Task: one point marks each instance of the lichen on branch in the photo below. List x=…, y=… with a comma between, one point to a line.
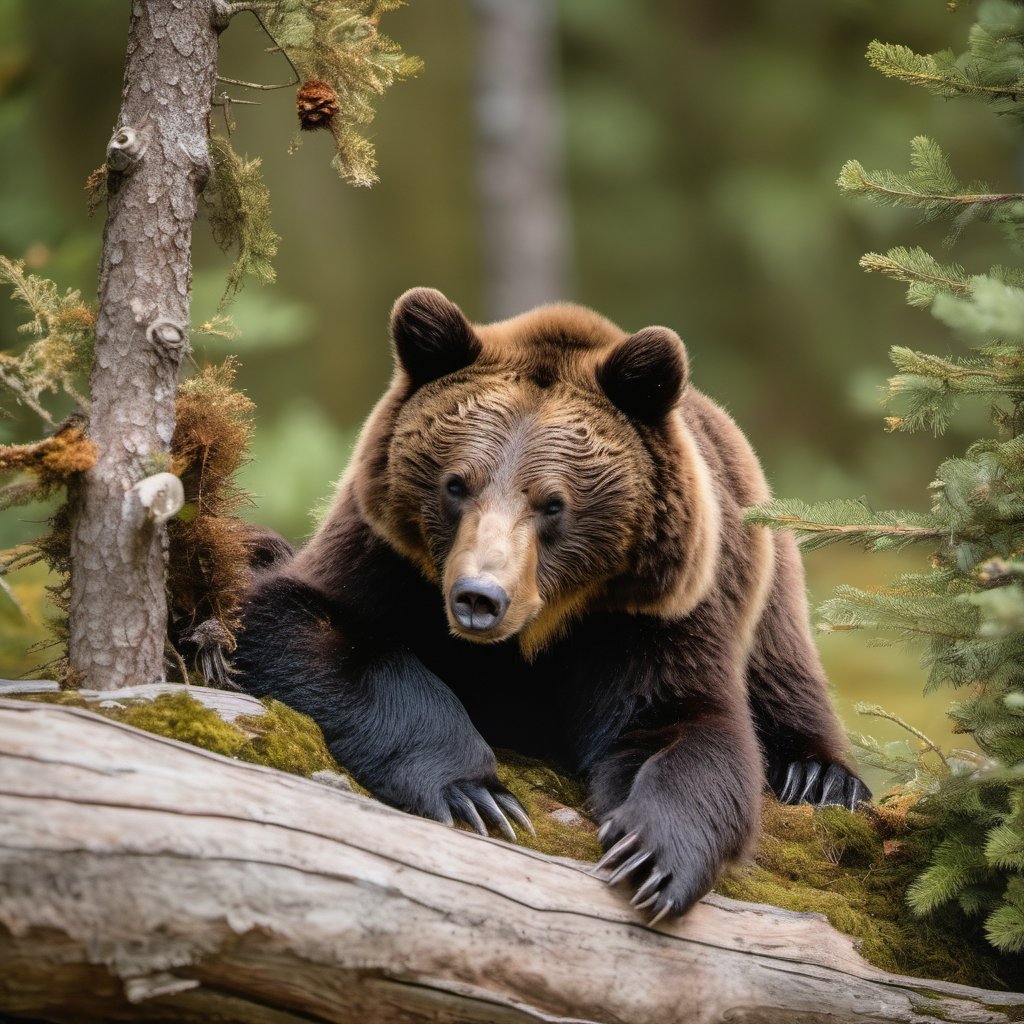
x=59, y=354
x=237, y=204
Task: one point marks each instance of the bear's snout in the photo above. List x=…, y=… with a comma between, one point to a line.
x=478, y=604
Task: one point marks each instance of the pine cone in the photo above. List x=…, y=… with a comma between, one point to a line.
x=317, y=103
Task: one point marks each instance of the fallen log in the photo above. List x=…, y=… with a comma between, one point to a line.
x=144, y=879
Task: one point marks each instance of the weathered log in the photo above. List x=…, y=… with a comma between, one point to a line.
x=143, y=879
x=228, y=704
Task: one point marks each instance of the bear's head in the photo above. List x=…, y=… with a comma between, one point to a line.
x=537, y=468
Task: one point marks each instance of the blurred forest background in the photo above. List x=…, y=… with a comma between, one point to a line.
x=696, y=149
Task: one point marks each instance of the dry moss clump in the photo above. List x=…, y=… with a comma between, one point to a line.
x=209, y=564
x=53, y=460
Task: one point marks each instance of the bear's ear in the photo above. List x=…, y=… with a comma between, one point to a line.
x=432, y=337
x=645, y=375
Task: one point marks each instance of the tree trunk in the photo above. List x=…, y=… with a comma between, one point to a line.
x=142, y=879
x=523, y=207
x=157, y=163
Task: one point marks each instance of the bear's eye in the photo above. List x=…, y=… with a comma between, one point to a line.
x=554, y=506
x=456, y=487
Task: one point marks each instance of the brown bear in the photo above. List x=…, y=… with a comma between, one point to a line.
x=540, y=544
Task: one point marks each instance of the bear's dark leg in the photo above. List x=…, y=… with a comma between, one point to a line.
x=388, y=719
x=667, y=745
x=801, y=737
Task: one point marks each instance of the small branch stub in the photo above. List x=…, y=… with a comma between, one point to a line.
x=161, y=495
x=220, y=14
x=168, y=335
x=125, y=149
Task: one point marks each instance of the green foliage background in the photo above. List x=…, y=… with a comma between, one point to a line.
x=702, y=143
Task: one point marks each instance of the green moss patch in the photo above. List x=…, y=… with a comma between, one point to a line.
x=555, y=804
x=179, y=717
x=281, y=738
x=287, y=740
x=855, y=869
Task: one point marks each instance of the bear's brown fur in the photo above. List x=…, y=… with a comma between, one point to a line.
x=540, y=544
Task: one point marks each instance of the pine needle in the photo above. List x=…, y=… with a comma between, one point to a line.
x=833, y=522
x=930, y=186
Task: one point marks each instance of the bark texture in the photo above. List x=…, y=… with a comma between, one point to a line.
x=524, y=209
x=142, y=879
x=157, y=165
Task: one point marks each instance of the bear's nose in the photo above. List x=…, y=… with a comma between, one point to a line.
x=478, y=604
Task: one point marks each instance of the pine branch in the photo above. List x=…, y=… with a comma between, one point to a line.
x=925, y=276
x=23, y=394
x=846, y=521
x=990, y=304
x=877, y=711
x=969, y=609
x=930, y=186
x=339, y=43
x=942, y=74
x=931, y=387
x=993, y=309
x=904, y=610
x=62, y=326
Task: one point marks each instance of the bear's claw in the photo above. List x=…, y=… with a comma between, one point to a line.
x=624, y=845
x=660, y=912
x=471, y=802
x=814, y=783
x=648, y=892
x=626, y=856
x=513, y=807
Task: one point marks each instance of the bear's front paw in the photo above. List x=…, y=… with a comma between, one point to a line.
x=479, y=803
x=819, y=784
x=669, y=870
